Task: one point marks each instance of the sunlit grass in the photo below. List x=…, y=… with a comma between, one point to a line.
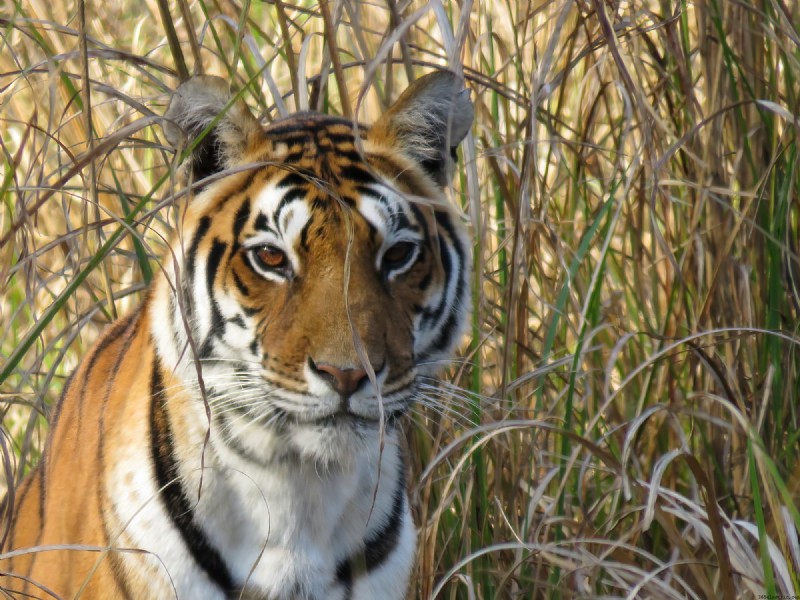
x=624, y=422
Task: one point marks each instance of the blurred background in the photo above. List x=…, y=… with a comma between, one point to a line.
x=622, y=421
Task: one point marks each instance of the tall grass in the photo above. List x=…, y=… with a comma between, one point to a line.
x=624, y=421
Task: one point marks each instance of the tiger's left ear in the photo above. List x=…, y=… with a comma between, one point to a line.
x=428, y=122
x=199, y=103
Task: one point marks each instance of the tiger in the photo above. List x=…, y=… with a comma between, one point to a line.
x=239, y=435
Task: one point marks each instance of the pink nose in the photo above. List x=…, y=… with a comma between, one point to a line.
x=344, y=381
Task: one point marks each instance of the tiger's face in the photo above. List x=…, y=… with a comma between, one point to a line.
x=325, y=274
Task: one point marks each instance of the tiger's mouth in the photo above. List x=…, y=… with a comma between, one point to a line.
x=329, y=409
x=348, y=418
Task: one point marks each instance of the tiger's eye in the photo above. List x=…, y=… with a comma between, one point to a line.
x=271, y=257
x=399, y=253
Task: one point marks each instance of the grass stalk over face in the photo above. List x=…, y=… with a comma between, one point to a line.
x=625, y=415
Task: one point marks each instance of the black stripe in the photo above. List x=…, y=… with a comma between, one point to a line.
x=435, y=167
x=383, y=542
x=443, y=219
x=181, y=307
x=325, y=203
x=421, y=221
x=344, y=577
x=237, y=320
x=241, y=218
x=353, y=156
x=379, y=545
x=358, y=174
x=250, y=311
x=285, y=129
x=399, y=220
x=341, y=138
x=240, y=284
x=348, y=200
x=444, y=337
x=425, y=282
x=435, y=313
x=288, y=198
x=304, y=235
x=294, y=156
x=308, y=121
x=297, y=142
x=262, y=224
x=218, y=249
x=233, y=444
x=368, y=191
x=202, y=229
x=172, y=494
x=330, y=120
x=294, y=178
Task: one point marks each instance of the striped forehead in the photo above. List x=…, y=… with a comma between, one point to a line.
x=285, y=210
x=385, y=209
x=302, y=128
x=282, y=210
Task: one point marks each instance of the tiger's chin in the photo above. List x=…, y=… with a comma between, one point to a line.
x=340, y=438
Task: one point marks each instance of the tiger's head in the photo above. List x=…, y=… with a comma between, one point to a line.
x=319, y=270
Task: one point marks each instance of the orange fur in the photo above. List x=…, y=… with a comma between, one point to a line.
x=61, y=503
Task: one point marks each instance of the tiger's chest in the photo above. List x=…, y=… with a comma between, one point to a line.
x=223, y=525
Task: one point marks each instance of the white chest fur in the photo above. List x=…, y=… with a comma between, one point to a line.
x=287, y=528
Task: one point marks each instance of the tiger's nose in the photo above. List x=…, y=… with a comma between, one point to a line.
x=344, y=381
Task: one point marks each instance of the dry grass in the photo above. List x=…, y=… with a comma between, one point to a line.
x=625, y=421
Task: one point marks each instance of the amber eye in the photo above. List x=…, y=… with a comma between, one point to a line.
x=399, y=255
x=270, y=257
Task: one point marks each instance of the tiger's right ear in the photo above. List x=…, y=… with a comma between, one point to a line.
x=428, y=122
x=194, y=106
